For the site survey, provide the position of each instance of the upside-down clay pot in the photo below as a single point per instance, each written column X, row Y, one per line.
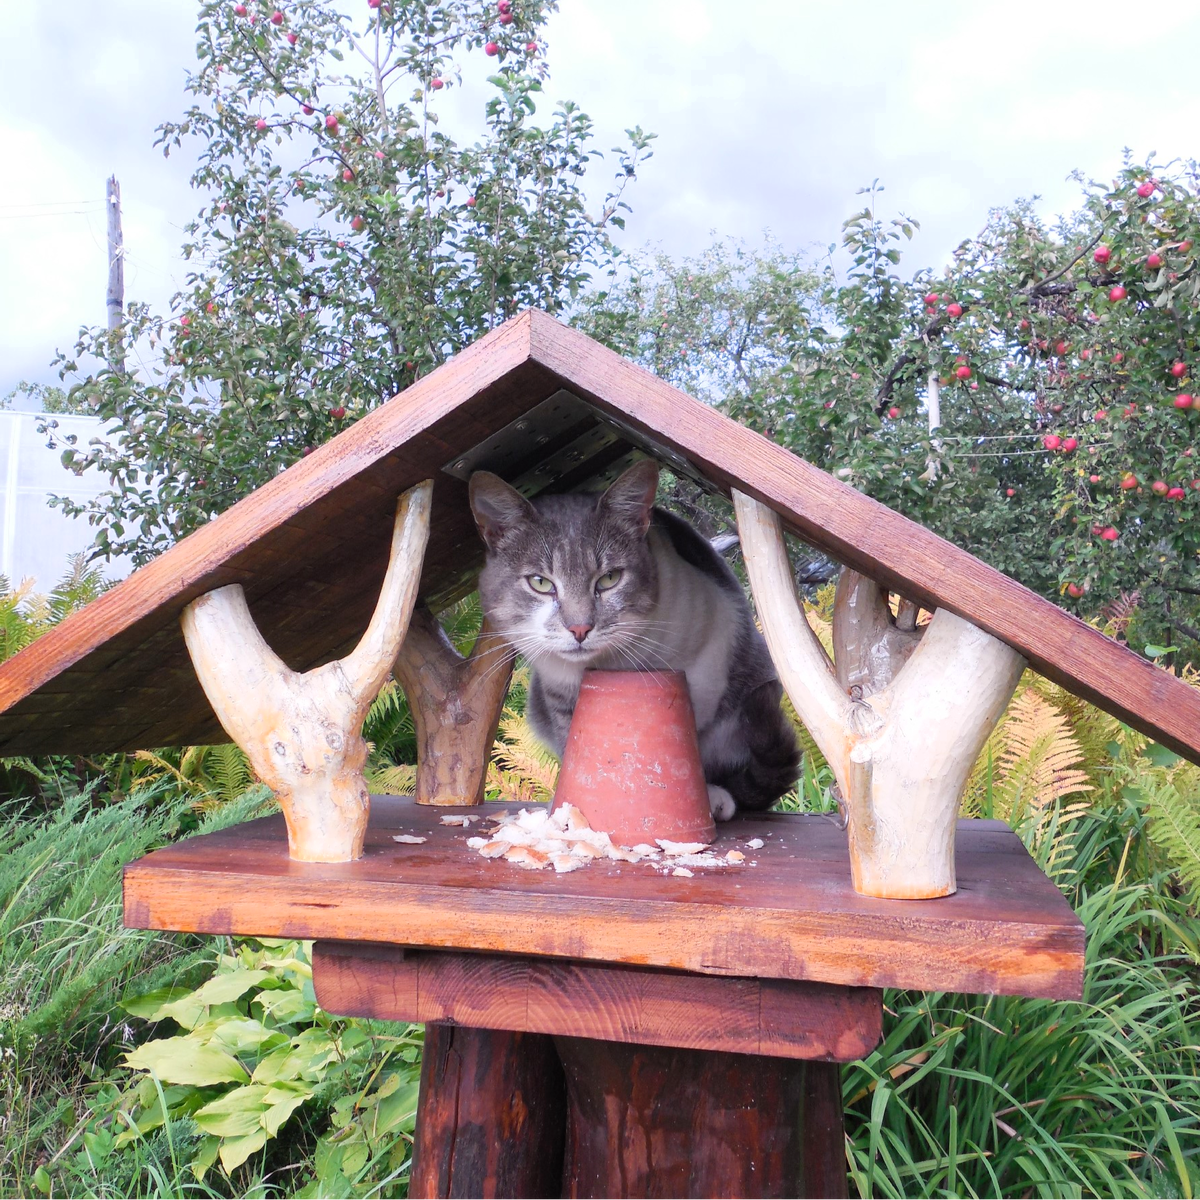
column 632, row 761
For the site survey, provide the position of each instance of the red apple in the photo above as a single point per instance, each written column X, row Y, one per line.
column 1052, row 441
column 504, row 5
column 1101, row 414
column 347, row 175
column 1074, row 590
column 210, row 307
column 1062, row 348
column 293, row 38
column 974, row 387
column 1129, row 482
column 1024, row 324
column 1118, row 357
column 954, row 310
column 277, row 17
column 893, row 412
column 931, row 299
column 1010, row 491
column 1070, row 445
column 1102, row 254
column 963, row 372
column 1178, row 369
column 260, row 124
column 491, row 49
column 239, row 10
column 1146, row 190
column 1159, row 487
column 307, row 451
column 470, row 201
column 357, row 224
column 337, row 413
column 1110, row 534
column 1085, row 354
column 1057, row 408
column 1154, row 261
column 1185, row 396
column 531, row 47
column 1183, row 400
column 331, row 123
column 1175, row 493
column 437, row 83
column 506, row 18
column 1093, row 479
column 373, row 3
column 306, row 109
column 1116, row 293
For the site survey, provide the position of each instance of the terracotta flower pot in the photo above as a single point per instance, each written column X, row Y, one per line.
column 632, row 761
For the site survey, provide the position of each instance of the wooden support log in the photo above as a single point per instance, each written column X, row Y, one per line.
column 303, row 731
column 456, row 704
column 651, row 1121
column 491, row 1115
column 901, row 721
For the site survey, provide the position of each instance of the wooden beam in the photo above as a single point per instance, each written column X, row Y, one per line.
column 776, row 1018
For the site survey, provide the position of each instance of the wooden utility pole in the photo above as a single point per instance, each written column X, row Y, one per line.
column 115, row 299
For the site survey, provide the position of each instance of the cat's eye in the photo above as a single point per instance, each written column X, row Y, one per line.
column 608, row 580
column 540, row 583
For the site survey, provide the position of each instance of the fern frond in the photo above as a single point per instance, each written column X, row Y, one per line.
column 520, row 759
column 1038, row 764
column 399, row 779
column 1175, row 826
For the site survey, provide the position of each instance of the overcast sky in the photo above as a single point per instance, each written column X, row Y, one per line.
column 770, row 113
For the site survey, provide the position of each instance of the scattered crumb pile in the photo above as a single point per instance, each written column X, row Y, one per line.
column 537, row 838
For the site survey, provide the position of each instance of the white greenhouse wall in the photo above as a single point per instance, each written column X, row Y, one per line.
column 35, row 539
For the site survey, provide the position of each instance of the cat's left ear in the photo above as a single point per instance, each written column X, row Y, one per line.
column 630, row 499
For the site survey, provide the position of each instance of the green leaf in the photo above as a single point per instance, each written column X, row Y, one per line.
column 150, row 1005
column 185, row 1060
column 235, row 1114
column 235, row 1151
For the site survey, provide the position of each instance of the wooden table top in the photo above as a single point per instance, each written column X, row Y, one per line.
column 788, row 913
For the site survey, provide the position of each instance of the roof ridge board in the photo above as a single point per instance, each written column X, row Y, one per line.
column 187, row 565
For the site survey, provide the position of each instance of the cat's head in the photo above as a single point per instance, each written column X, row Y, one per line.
column 569, row 576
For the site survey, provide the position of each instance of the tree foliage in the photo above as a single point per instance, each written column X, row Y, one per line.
column 1061, row 354
column 350, row 240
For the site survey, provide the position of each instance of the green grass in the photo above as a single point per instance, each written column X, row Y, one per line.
column 967, row 1095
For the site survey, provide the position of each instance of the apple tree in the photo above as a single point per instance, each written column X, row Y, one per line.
column 1033, row 402
column 376, row 194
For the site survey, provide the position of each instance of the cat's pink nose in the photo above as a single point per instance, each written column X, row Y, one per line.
column 580, row 631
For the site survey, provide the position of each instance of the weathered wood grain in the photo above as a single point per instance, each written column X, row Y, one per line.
column 780, row 1018
column 491, row 1115
column 651, row 1121
column 791, row 915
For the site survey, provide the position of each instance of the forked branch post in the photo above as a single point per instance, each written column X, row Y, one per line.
column 456, row 704
column 900, row 720
column 302, row 731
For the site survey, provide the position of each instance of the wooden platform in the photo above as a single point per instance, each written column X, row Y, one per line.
column 788, row 913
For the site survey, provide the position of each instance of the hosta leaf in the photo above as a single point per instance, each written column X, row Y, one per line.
column 185, row 1060
column 235, row 1151
column 235, row 1114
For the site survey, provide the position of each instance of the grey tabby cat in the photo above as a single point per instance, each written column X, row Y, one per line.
column 579, row 581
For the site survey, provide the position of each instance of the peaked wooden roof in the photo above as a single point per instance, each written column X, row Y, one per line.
column 545, row 406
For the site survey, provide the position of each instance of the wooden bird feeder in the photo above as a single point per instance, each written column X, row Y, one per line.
column 616, row 1030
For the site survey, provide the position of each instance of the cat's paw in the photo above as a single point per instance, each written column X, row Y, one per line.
column 720, row 802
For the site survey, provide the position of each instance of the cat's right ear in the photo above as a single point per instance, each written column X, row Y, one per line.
column 497, row 507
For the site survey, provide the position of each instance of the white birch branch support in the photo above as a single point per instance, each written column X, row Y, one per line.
column 911, row 743
column 302, row 732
